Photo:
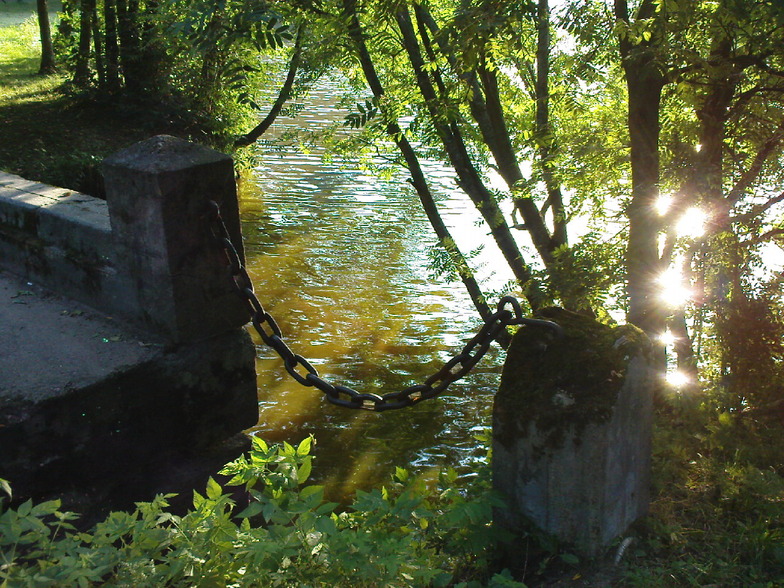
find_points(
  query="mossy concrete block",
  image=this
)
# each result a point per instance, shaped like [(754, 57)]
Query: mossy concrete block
[(158, 193), (572, 431)]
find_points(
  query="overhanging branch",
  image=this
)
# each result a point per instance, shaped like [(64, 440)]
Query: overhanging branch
[(283, 96)]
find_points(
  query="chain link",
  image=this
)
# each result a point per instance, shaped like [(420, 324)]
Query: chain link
[(508, 312)]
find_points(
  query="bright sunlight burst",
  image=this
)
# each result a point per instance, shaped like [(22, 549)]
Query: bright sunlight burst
[(678, 379), (673, 291), (663, 204), (692, 223), (667, 339)]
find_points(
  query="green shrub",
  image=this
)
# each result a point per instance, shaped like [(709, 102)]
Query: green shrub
[(717, 516), (288, 535)]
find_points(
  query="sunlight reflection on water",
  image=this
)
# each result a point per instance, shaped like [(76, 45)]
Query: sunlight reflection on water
[(339, 258)]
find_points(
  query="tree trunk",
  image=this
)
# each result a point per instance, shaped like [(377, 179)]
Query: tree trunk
[(47, 51), (468, 177), (645, 308), (82, 71), (100, 61), (487, 110), (111, 47), (684, 350), (131, 58), (418, 179), (644, 82), (544, 132)]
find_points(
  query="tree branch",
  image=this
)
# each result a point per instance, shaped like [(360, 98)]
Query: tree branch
[(756, 166), (283, 96), (758, 210), (418, 179)]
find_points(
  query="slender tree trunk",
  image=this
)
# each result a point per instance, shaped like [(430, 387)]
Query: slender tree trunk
[(131, 59), (683, 346), (644, 82), (544, 131), (111, 46), (147, 43), (100, 61), (468, 177), (645, 307), (82, 71), (487, 110), (418, 179), (47, 50)]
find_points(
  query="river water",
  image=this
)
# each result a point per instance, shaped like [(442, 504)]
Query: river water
[(339, 258)]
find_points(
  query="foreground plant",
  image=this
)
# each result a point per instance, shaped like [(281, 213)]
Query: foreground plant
[(287, 535)]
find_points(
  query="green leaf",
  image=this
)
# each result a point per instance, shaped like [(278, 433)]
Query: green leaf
[(313, 490), (25, 508), (325, 525), (305, 445), (6, 487), (251, 510), (259, 444), (214, 490), (401, 474), (303, 473), (198, 500), (569, 558), (46, 508), (327, 507)]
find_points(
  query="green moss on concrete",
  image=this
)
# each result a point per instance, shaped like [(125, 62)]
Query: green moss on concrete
[(563, 384)]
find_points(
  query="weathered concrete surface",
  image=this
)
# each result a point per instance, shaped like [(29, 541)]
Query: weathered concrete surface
[(83, 397), (158, 192), (51, 344), (62, 239), (89, 405), (148, 253), (572, 431)]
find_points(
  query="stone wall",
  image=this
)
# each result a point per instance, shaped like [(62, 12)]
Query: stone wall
[(147, 252), (124, 335)]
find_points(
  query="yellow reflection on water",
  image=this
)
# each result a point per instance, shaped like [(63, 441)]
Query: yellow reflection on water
[(346, 279)]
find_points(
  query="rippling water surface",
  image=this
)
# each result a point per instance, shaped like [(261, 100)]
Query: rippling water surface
[(339, 258)]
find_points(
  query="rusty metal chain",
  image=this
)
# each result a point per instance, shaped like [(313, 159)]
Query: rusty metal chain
[(508, 312)]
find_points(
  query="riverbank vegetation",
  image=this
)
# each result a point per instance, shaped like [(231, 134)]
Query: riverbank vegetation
[(55, 132), (669, 216), (716, 520)]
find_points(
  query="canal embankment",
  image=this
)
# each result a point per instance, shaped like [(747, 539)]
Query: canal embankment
[(123, 341)]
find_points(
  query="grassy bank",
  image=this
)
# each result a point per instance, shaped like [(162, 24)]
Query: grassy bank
[(50, 133)]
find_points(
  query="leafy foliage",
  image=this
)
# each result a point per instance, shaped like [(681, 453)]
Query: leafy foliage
[(287, 535), (366, 112), (716, 518), (717, 510)]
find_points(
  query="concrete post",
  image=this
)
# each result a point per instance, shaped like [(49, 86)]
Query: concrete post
[(157, 193), (572, 431)]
